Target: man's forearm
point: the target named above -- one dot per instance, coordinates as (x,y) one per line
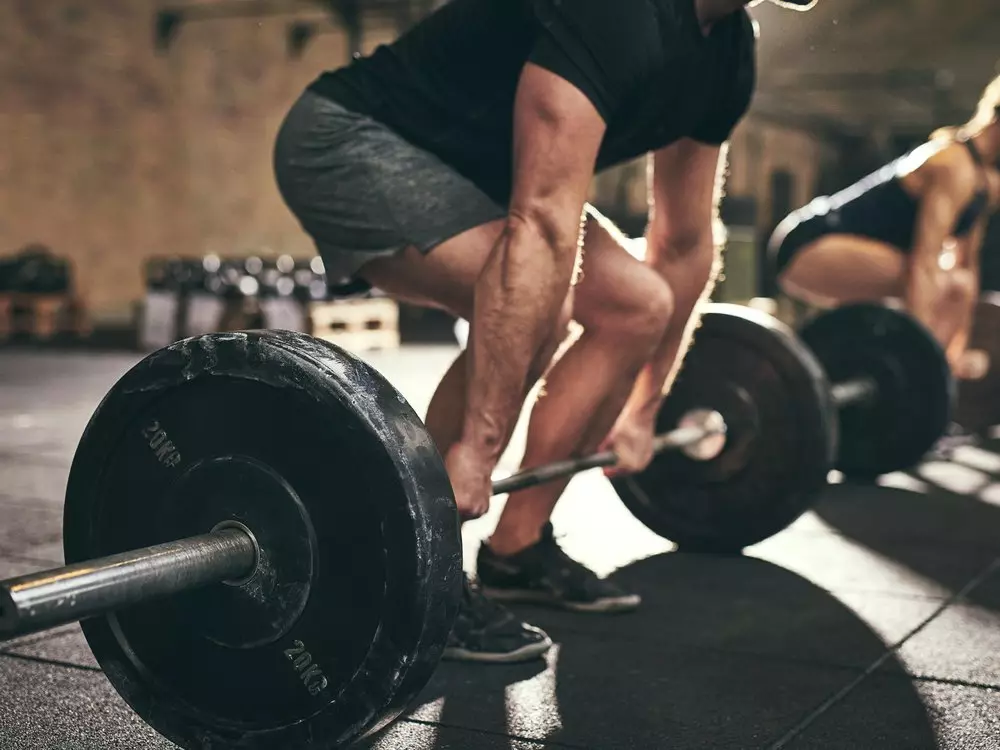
(518,299)
(691,275)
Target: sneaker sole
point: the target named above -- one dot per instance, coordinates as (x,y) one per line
(627,603)
(525,653)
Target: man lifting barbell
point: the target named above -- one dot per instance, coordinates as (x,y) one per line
(451,168)
(912,230)
(311,607)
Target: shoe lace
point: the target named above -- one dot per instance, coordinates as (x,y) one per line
(478,602)
(563,561)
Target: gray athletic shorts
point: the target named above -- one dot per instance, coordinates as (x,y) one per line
(361,191)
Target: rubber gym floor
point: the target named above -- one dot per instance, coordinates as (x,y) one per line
(871,623)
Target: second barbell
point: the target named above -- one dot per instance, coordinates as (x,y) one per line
(865,389)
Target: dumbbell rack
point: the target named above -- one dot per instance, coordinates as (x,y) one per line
(193,296)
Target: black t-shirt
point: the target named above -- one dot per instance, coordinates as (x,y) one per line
(448,84)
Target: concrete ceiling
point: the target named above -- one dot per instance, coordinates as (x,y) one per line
(864,66)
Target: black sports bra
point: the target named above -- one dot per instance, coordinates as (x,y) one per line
(878,207)
(979,202)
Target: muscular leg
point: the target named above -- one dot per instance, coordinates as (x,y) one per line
(841,268)
(447,408)
(624,308)
(444,278)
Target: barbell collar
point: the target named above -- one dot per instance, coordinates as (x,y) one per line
(59,596)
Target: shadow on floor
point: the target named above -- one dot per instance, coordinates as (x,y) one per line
(726,652)
(942,522)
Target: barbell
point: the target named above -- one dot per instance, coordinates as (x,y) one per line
(261,540)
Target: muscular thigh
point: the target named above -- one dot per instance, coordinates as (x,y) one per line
(443,278)
(612,282)
(363,192)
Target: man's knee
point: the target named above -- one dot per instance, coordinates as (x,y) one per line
(656,309)
(644,313)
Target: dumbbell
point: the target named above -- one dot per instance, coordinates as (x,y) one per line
(276,280)
(54,277)
(310,280)
(38,271)
(304,555)
(241,290)
(279,306)
(249,282)
(161,310)
(204,286)
(157,274)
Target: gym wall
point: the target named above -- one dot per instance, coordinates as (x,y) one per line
(115,151)
(118,151)
(759,150)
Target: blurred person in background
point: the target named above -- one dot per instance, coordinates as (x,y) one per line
(910,231)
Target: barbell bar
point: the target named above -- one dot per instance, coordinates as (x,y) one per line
(51,598)
(686,437)
(48,599)
(228,554)
(320,600)
(699,426)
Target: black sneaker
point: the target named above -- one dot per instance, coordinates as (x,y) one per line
(489,632)
(544,574)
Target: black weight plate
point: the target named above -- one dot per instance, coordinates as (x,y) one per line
(780,438)
(912,410)
(347,491)
(978,406)
(252,496)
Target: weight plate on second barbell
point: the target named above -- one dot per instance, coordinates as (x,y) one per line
(912,408)
(780,442)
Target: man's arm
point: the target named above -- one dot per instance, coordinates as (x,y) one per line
(939,208)
(685,186)
(518,296)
